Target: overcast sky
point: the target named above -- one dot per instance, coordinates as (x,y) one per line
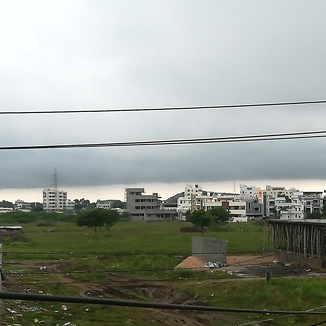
(99,54)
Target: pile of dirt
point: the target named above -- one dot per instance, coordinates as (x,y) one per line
(192,262)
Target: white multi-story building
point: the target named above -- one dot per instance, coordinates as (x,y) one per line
(105,204)
(313,202)
(279,191)
(274,195)
(22,206)
(185,203)
(293,210)
(250,192)
(55,200)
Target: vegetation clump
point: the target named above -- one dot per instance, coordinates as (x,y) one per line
(97,218)
(203,219)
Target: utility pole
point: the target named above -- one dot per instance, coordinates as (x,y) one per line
(55,188)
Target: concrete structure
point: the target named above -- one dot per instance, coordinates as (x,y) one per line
(301,242)
(106,204)
(6,209)
(313,202)
(279,191)
(55,200)
(70,205)
(143,207)
(22,206)
(292,210)
(250,192)
(185,203)
(237,211)
(254,209)
(209,249)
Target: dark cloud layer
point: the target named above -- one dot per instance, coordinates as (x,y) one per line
(100,54)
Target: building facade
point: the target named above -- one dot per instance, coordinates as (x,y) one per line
(143,207)
(22,206)
(55,200)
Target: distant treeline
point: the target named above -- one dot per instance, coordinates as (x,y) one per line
(17,217)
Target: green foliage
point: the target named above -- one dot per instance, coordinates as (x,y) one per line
(314,215)
(214,217)
(83,204)
(7,204)
(97,218)
(118,204)
(17,217)
(219,215)
(200,218)
(37,207)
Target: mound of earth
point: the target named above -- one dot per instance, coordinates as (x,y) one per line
(192,262)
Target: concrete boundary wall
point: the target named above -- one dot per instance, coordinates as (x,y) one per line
(209,249)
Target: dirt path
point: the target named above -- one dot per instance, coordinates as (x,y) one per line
(129,287)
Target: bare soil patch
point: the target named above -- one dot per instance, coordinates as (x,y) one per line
(131,287)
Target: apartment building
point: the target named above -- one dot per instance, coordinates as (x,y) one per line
(105,204)
(22,206)
(55,200)
(253,197)
(188,201)
(145,207)
(313,202)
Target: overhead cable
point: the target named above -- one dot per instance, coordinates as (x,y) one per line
(142,304)
(172,108)
(233,139)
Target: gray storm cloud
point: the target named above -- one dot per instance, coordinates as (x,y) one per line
(99,54)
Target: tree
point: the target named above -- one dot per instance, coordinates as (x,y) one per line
(97,218)
(199,218)
(219,215)
(7,204)
(118,204)
(83,204)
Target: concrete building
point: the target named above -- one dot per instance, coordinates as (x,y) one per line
(6,209)
(251,192)
(293,210)
(22,206)
(274,195)
(143,207)
(106,204)
(186,202)
(254,209)
(55,200)
(313,202)
(253,197)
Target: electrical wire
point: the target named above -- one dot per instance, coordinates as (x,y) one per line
(131,253)
(172,108)
(142,304)
(281,317)
(232,139)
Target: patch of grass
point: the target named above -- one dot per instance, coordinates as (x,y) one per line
(143,250)
(278,294)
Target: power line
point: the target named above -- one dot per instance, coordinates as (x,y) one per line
(280,317)
(232,139)
(172,108)
(142,304)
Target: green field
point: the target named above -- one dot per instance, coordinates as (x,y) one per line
(136,261)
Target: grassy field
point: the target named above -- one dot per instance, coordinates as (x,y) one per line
(120,265)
